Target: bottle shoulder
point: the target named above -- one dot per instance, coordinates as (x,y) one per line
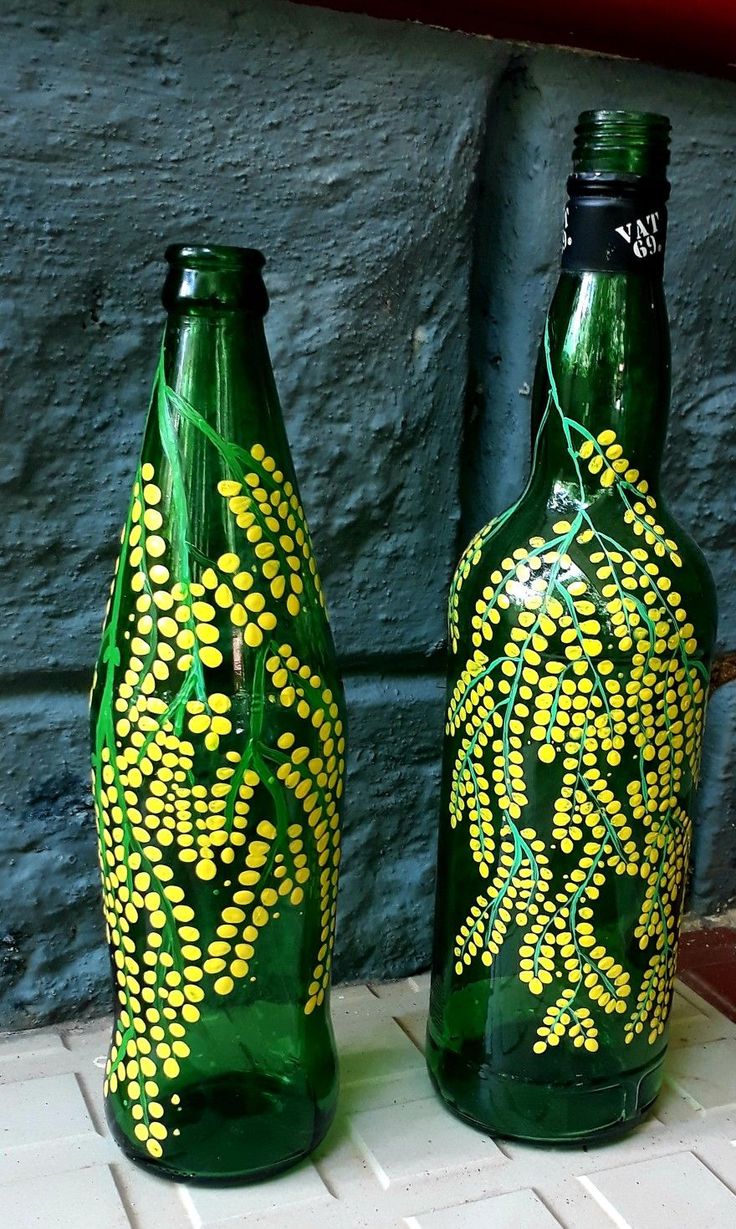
(693,557)
(616,559)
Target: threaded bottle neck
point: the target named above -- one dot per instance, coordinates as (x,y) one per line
(622,143)
(616,215)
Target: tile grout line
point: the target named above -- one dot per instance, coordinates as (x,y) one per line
(546,1205)
(90,1107)
(398,1021)
(329,1187)
(186,1201)
(368,1156)
(699,1001)
(124,1198)
(674,1084)
(696,1151)
(604,1204)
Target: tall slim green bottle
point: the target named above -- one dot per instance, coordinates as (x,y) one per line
(581,624)
(218,758)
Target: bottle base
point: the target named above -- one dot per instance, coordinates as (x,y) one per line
(503,1105)
(229,1131)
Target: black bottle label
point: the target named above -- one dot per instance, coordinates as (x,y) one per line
(614,235)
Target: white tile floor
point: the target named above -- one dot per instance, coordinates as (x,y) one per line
(395,1159)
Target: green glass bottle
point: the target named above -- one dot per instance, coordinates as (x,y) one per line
(581,623)
(218,759)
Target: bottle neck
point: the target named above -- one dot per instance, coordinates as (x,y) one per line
(219,361)
(214,403)
(603,376)
(214,350)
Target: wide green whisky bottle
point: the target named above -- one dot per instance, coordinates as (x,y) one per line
(218,759)
(581,624)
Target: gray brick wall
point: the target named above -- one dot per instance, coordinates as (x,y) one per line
(406,186)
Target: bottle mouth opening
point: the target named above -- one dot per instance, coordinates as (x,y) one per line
(622,142)
(213,277)
(213,257)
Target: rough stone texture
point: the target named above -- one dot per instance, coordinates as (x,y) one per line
(53,962)
(346,151)
(389,851)
(714,879)
(351,151)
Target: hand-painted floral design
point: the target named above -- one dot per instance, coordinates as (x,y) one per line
(584,674)
(189,780)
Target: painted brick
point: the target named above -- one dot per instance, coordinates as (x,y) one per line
(385,918)
(53,963)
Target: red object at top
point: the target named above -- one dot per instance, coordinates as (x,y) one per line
(695,34)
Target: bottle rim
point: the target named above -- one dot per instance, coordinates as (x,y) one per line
(623,142)
(214,277)
(620,118)
(214,256)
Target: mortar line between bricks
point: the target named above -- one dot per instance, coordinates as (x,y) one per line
(187,1203)
(40,682)
(352,665)
(417,662)
(392,665)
